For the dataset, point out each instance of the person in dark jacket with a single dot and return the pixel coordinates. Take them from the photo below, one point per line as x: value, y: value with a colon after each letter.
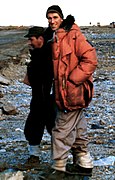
x: 40, y: 75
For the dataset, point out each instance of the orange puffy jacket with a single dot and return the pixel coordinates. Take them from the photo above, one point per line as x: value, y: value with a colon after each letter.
x: 74, y: 61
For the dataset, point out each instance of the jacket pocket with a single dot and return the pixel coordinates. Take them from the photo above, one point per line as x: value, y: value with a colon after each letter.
x: 79, y: 96
x: 75, y: 94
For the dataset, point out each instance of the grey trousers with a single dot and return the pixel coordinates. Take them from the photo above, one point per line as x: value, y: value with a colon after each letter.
x: 70, y: 131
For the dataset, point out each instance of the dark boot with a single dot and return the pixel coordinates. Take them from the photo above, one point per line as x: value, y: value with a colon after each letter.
x: 83, y: 159
x: 82, y: 164
x: 62, y: 175
x: 78, y: 170
x: 31, y: 162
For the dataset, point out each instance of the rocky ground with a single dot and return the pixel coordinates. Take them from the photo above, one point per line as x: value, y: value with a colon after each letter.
x: 14, y: 107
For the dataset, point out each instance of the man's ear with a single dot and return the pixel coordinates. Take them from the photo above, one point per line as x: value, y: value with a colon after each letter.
x: 41, y: 38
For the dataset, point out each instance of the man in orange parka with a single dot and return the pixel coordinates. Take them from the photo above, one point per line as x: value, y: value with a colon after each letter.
x: 74, y: 61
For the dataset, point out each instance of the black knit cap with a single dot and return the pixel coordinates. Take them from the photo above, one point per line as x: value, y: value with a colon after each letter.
x: 35, y: 31
x: 55, y: 8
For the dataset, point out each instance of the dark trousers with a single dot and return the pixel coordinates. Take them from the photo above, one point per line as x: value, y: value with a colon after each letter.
x: 42, y: 115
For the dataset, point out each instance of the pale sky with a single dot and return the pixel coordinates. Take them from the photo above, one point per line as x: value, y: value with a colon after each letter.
x: 33, y: 12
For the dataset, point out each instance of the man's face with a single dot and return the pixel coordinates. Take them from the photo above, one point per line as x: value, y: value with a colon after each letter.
x: 36, y: 42
x: 54, y: 20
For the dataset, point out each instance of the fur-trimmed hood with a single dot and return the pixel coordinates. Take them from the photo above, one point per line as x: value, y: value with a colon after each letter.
x: 68, y: 22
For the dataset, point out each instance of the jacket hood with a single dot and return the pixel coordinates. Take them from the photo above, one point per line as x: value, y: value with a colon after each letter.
x: 68, y: 22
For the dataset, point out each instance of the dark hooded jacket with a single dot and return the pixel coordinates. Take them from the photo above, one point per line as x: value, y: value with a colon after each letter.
x: 40, y: 72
